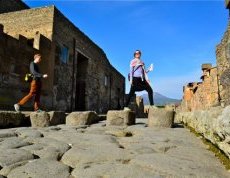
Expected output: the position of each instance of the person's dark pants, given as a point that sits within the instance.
(139, 85)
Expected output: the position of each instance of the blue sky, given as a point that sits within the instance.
(176, 36)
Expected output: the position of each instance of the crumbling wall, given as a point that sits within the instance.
(202, 95)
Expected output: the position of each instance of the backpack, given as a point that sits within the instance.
(28, 77)
(133, 72)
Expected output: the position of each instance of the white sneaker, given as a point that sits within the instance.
(127, 109)
(17, 107)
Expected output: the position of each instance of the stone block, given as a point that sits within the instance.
(12, 156)
(11, 119)
(82, 118)
(120, 118)
(206, 66)
(160, 117)
(40, 119)
(57, 117)
(41, 168)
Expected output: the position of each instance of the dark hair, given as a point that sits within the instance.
(137, 51)
(37, 55)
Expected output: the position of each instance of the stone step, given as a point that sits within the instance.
(82, 118)
(160, 117)
(9, 119)
(45, 119)
(120, 118)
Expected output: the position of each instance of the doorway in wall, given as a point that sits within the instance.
(82, 71)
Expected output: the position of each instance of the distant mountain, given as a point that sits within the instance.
(160, 100)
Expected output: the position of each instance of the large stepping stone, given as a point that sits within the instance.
(120, 118)
(57, 117)
(82, 118)
(44, 119)
(40, 119)
(160, 117)
(11, 119)
(11, 156)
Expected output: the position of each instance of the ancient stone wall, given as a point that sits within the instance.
(99, 84)
(80, 75)
(15, 57)
(12, 5)
(28, 22)
(223, 64)
(202, 95)
(213, 124)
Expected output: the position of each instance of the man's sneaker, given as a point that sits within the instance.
(17, 107)
(127, 109)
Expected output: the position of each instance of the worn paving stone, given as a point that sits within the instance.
(112, 170)
(12, 156)
(7, 133)
(50, 142)
(73, 137)
(41, 168)
(13, 142)
(96, 154)
(111, 151)
(28, 132)
(177, 167)
(49, 152)
(7, 169)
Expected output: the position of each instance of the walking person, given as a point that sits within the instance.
(35, 86)
(138, 78)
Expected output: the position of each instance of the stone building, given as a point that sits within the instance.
(80, 75)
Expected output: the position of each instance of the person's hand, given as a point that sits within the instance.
(151, 68)
(45, 76)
